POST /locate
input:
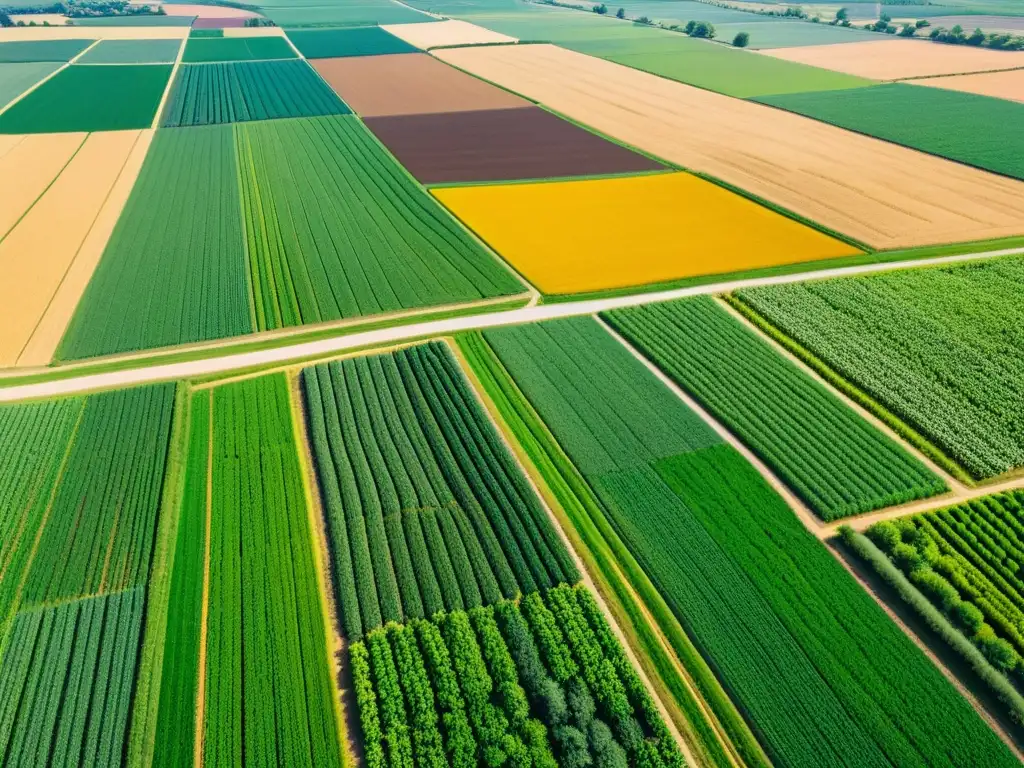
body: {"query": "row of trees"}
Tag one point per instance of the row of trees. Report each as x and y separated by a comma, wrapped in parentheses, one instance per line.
(702, 29)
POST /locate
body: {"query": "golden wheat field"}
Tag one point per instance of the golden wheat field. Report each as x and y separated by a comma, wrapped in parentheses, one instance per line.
(999, 85)
(599, 234)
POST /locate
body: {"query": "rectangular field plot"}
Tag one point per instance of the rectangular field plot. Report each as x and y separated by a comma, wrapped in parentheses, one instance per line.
(897, 59)
(976, 130)
(350, 234)
(174, 269)
(957, 569)
(200, 50)
(132, 52)
(426, 507)
(18, 77)
(503, 144)
(797, 644)
(43, 50)
(830, 457)
(205, 94)
(409, 84)
(335, 43)
(549, 231)
(53, 226)
(998, 85)
(326, 13)
(90, 98)
(938, 348)
(448, 32)
(880, 194)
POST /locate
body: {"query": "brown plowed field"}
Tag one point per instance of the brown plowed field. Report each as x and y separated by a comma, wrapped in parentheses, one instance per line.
(879, 193)
(33, 161)
(898, 59)
(409, 84)
(501, 145)
(36, 255)
(1000, 85)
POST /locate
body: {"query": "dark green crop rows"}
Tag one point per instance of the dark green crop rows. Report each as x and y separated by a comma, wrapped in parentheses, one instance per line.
(352, 41)
(426, 508)
(820, 673)
(205, 94)
(832, 459)
(544, 683)
(213, 49)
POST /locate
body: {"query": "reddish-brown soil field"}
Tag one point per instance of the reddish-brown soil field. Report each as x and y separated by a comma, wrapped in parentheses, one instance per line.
(501, 145)
(409, 84)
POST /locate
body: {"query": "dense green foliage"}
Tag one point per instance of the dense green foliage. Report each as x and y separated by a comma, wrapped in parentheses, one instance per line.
(966, 127)
(380, 243)
(180, 676)
(210, 49)
(174, 269)
(90, 98)
(204, 94)
(132, 52)
(426, 508)
(938, 347)
(352, 41)
(42, 50)
(836, 462)
(546, 685)
(797, 644)
(66, 681)
(265, 627)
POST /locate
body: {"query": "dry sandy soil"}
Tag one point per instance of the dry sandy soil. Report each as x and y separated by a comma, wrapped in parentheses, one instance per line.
(41, 251)
(34, 160)
(899, 59)
(449, 32)
(1001, 85)
(207, 11)
(10, 34)
(876, 192)
(409, 84)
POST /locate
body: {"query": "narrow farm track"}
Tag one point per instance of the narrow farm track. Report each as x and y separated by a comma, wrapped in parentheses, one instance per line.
(322, 348)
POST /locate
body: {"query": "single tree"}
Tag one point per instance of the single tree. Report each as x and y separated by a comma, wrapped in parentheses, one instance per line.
(742, 40)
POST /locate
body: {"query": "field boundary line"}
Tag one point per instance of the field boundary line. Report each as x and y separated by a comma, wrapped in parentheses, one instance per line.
(334, 645)
(204, 621)
(510, 445)
(58, 70)
(170, 85)
(365, 339)
(910, 80)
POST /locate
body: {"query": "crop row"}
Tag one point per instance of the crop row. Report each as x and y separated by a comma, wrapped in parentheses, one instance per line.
(805, 654)
(936, 347)
(831, 458)
(426, 508)
(541, 683)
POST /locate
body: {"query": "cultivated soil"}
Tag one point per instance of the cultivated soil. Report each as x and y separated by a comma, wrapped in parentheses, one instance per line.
(1000, 85)
(899, 59)
(34, 160)
(878, 193)
(409, 84)
(450, 32)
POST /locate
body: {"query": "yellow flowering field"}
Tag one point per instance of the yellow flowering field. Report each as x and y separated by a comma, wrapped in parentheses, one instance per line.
(599, 234)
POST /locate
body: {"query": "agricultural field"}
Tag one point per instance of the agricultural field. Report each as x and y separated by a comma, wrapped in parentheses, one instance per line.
(568, 250)
(501, 145)
(936, 349)
(90, 98)
(836, 462)
(210, 50)
(957, 568)
(872, 191)
(42, 50)
(970, 129)
(132, 52)
(326, 13)
(336, 43)
(802, 650)
(208, 94)
(18, 77)
(448, 32)
(999, 85)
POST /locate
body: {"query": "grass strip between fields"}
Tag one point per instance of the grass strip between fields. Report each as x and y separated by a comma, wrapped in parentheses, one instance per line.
(630, 594)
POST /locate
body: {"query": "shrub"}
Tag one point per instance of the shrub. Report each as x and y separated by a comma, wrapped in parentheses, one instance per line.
(936, 587)
(742, 40)
(601, 9)
(702, 29)
(620, 14)
(885, 535)
(968, 616)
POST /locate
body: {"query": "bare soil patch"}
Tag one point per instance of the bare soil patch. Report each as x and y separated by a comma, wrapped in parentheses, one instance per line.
(409, 84)
(878, 193)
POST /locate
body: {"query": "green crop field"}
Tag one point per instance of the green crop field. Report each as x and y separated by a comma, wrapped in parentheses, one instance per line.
(328, 13)
(174, 269)
(205, 94)
(359, 41)
(201, 33)
(803, 651)
(427, 480)
(394, 249)
(90, 98)
(201, 50)
(938, 348)
(43, 50)
(132, 52)
(766, 32)
(16, 78)
(961, 563)
(971, 129)
(836, 462)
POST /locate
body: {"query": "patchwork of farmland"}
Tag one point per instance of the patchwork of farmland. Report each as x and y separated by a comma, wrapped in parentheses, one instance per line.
(801, 649)
(936, 348)
(200, 50)
(355, 41)
(832, 459)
